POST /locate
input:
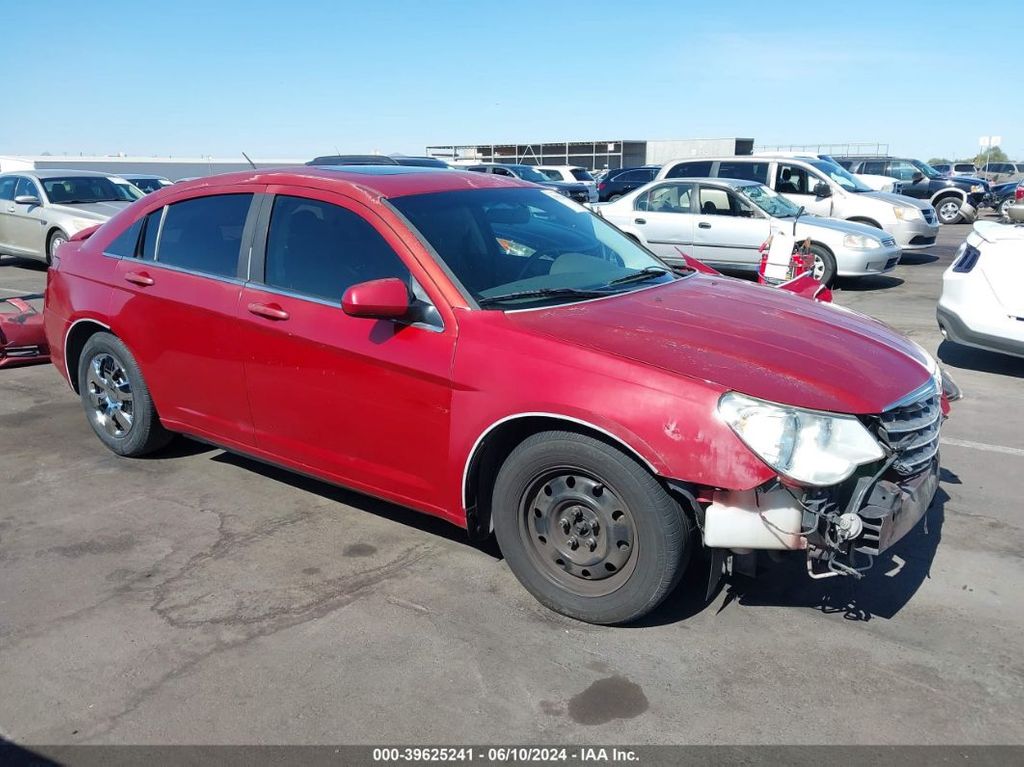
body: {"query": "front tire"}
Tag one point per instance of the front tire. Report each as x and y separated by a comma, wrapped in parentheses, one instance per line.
(948, 210)
(56, 239)
(116, 399)
(587, 530)
(824, 268)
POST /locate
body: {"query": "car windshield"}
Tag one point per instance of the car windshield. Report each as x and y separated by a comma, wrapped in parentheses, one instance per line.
(926, 169)
(72, 190)
(581, 174)
(523, 248)
(150, 184)
(772, 203)
(133, 191)
(526, 173)
(841, 176)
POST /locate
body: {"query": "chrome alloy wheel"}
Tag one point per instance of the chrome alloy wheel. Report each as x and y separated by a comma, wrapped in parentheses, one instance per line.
(818, 267)
(110, 395)
(949, 211)
(578, 532)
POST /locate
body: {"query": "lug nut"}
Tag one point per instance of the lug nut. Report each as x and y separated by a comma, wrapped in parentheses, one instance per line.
(573, 542)
(566, 525)
(591, 544)
(595, 528)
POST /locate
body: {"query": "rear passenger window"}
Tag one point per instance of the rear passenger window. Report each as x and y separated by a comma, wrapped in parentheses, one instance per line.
(873, 168)
(666, 198)
(151, 228)
(746, 171)
(126, 243)
(320, 250)
(690, 170)
(204, 234)
(7, 187)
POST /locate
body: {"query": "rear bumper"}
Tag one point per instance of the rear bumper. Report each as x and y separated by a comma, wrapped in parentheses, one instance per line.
(955, 329)
(22, 336)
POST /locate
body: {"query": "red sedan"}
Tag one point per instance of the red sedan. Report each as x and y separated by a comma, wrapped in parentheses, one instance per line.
(486, 351)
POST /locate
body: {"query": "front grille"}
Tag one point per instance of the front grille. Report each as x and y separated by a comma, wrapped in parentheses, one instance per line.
(922, 240)
(888, 241)
(891, 263)
(929, 215)
(21, 351)
(911, 429)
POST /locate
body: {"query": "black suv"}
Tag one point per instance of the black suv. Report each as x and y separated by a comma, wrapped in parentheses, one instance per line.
(623, 180)
(956, 199)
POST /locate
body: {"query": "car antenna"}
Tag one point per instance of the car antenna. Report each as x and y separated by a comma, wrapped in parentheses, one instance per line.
(797, 218)
(249, 161)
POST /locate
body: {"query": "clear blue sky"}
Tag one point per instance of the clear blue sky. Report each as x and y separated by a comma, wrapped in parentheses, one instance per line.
(292, 79)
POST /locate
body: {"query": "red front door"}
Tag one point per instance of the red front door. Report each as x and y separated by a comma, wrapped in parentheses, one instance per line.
(363, 402)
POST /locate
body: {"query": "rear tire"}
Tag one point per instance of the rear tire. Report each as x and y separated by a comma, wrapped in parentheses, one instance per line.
(116, 399)
(948, 210)
(587, 530)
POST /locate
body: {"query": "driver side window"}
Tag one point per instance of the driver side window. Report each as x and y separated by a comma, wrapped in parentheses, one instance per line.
(318, 249)
(792, 179)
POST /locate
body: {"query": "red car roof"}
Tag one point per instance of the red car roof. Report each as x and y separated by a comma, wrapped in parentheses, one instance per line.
(372, 181)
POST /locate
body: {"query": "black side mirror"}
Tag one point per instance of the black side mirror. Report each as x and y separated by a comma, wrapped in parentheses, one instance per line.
(821, 189)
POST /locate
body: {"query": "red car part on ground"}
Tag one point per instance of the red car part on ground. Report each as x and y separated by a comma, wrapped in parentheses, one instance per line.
(22, 336)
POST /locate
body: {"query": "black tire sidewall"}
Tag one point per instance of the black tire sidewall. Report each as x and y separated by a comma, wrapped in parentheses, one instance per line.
(829, 260)
(663, 531)
(146, 433)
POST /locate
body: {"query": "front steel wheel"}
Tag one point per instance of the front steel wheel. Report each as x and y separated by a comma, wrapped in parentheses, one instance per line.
(588, 530)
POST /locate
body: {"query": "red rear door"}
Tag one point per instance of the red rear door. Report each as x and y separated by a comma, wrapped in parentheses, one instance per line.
(363, 402)
(175, 306)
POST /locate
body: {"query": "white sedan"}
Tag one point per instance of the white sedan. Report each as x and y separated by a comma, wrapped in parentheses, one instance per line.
(982, 301)
(724, 222)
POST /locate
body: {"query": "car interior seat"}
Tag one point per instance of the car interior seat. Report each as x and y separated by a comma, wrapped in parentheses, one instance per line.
(787, 185)
(709, 208)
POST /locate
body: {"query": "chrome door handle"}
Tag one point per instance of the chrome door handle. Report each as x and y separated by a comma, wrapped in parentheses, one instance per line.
(704, 225)
(639, 220)
(270, 311)
(139, 278)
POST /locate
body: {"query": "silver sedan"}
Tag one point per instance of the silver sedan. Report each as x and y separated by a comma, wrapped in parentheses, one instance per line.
(40, 210)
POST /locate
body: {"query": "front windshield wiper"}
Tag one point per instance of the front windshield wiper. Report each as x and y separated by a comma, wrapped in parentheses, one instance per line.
(542, 293)
(644, 274)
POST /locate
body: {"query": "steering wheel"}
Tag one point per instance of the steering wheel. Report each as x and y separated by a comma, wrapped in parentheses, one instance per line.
(536, 256)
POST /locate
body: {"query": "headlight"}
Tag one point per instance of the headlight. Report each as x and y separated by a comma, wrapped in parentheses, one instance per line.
(975, 188)
(808, 446)
(82, 223)
(906, 213)
(861, 242)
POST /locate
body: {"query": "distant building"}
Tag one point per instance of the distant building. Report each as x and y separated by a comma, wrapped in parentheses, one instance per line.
(173, 168)
(618, 153)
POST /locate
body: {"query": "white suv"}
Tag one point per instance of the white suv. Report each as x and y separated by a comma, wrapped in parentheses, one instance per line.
(823, 189)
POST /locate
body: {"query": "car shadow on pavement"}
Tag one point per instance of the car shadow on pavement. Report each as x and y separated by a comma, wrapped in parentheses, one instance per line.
(408, 517)
(871, 282)
(916, 259)
(968, 358)
(23, 263)
(883, 591)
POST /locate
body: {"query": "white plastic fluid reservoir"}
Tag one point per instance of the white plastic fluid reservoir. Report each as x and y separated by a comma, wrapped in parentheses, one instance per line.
(745, 519)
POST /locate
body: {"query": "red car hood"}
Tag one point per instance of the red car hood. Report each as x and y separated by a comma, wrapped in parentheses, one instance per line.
(757, 340)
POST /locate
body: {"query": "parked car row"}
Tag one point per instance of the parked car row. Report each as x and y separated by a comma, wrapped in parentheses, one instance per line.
(489, 352)
(993, 172)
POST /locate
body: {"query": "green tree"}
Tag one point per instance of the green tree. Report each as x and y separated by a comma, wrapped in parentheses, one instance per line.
(993, 154)
(938, 161)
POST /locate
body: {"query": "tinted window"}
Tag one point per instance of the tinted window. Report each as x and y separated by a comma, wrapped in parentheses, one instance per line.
(637, 176)
(25, 186)
(690, 170)
(127, 241)
(148, 185)
(71, 190)
(554, 175)
(748, 171)
(873, 168)
(962, 168)
(319, 249)
(7, 187)
(581, 175)
(903, 170)
(666, 198)
(151, 226)
(204, 234)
